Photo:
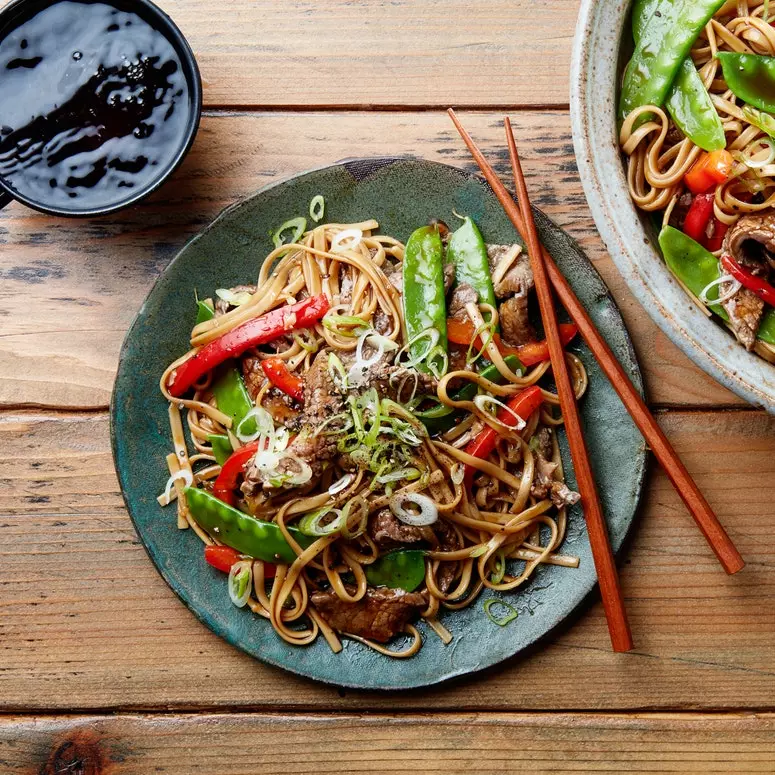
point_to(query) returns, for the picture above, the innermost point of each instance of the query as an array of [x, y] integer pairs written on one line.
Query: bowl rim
[[594, 72], [163, 23]]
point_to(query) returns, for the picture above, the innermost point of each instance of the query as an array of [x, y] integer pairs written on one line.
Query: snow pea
[[233, 398], [664, 43], [468, 252], [642, 11], [246, 534], [696, 268], [425, 309], [402, 569], [751, 77], [221, 447], [204, 311]]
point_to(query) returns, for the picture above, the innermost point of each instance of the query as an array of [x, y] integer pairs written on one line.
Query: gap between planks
[[218, 109]]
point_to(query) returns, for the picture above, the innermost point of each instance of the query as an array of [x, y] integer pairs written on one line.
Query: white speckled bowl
[[630, 239]]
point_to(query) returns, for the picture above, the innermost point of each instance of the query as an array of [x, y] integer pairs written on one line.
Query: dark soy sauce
[[94, 106]]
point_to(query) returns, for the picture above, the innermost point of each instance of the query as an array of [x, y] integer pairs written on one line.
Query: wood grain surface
[[380, 54], [69, 288], [91, 637], [87, 623], [491, 744]]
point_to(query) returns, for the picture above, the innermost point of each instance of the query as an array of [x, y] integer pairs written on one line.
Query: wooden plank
[[438, 52], [243, 744], [71, 287], [86, 623]]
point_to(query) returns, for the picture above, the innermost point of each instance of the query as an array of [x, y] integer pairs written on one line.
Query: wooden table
[[103, 670]]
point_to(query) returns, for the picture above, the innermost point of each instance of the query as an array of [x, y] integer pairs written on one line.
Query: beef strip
[[514, 320], [544, 484], [394, 276], [379, 615], [745, 310], [449, 277], [222, 306], [447, 542], [519, 277], [388, 377], [387, 532], [321, 401], [462, 295], [253, 375], [751, 242]]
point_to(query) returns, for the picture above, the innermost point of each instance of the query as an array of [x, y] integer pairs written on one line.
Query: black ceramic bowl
[[20, 12]]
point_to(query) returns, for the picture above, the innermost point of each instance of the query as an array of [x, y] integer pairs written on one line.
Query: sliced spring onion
[[346, 420], [359, 369], [264, 425], [297, 224], [431, 334], [409, 474], [355, 512], [317, 208], [183, 475], [483, 400], [322, 522], [503, 620], [736, 285], [479, 551], [747, 156], [437, 361], [424, 513], [235, 299], [759, 119], [341, 484], [375, 340], [240, 582], [303, 475], [347, 239], [457, 473], [345, 325], [500, 567], [306, 341], [336, 371]]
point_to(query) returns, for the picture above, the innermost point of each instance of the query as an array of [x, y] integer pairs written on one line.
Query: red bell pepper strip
[[283, 378], [223, 557], [462, 332], [522, 404], [716, 238], [260, 330], [708, 171], [226, 481], [754, 284], [698, 216]]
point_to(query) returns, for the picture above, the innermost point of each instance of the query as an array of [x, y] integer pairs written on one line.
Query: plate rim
[[597, 40], [222, 631]]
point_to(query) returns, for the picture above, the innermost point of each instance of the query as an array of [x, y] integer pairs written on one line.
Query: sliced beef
[[447, 542], [253, 374], [380, 615], [388, 532], [222, 306], [395, 277], [462, 295], [388, 377], [745, 310], [321, 397], [751, 242], [544, 484], [381, 322], [449, 277], [515, 322], [518, 278]]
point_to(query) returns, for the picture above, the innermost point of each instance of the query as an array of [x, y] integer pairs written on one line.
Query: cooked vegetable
[[226, 482], [246, 534], [710, 170], [403, 569], [278, 373], [260, 330], [221, 447], [523, 405], [414, 509], [317, 208], [240, 582], [698, 216], [468, 252], [232, 398], [754, 284], [751, 77], [222, 557], [510, 615], [295, 225], [204, 310], [425, 309], [663, 45]]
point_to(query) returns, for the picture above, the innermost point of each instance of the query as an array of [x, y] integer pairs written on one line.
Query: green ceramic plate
[[401, 194]]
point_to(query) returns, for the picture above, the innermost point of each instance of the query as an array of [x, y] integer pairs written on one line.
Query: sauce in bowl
[[95, 107]]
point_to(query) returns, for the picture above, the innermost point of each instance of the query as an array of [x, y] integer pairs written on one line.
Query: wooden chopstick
[[607, 575], [703, 515]]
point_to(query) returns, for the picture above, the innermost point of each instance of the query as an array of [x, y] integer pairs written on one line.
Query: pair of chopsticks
[[544, 272]]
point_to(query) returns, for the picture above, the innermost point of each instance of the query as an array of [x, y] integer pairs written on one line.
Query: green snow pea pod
[[204, 311], [402, 569], [246, 534], [233, 398], [468, 252], [425, 308], [696, 268], [221, 447], [751, 77], [664, 43]]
